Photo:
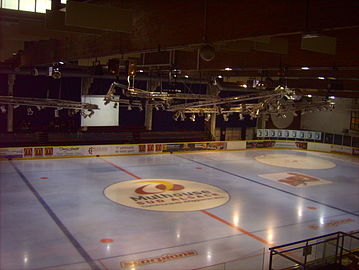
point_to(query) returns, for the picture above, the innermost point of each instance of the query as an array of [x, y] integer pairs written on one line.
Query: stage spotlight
[[193, 117], [129, 107], [241, 117]]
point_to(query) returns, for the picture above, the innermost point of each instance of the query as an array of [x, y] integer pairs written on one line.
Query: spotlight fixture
[[186, 76], [57, 114], [308, 96], [129, 107], [29, 111], [193, 117], [140, 108], [157, 108], [91, 113], [84, 115], [207, 117], [331, 97], [321, 78], [228, 69], [176, 116], [295, 114], [183, 116], [305, 68], [3, 109], [241, 116], [219, 76]]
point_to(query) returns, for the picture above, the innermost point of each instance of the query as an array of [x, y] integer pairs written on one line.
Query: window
[[42, 5], [28, 5], [10, 4], [354, 123]]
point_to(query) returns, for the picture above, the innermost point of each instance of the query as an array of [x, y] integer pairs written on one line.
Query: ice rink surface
[[55, 215]]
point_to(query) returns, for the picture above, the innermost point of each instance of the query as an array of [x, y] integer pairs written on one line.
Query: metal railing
[[336, 248]]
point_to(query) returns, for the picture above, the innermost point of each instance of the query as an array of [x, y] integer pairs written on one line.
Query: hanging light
[[3, 109], [176, 116], [207, 117], [193, 117], [129, 107], [29, 111], [183, 117], [91, 113], [140, 108]]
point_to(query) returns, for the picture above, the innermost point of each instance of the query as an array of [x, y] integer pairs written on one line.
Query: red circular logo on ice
[[156, 187]]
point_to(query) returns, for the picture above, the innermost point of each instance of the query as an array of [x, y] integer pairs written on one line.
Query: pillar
[[151, 86], [85, 86], [148, 116], [10, 108], [211, 126]]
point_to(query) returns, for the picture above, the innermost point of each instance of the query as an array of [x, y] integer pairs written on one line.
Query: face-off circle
[[166, 195], [295, 161]]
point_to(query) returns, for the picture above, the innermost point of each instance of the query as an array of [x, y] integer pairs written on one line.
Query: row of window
[[28, 5]]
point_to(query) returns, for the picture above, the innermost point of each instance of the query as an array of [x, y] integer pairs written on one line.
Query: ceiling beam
[[163, 25]]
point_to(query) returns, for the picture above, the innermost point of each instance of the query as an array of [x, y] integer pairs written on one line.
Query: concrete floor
[[55, 215]]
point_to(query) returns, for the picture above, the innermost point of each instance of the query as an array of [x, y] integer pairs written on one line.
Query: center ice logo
[[161, 187], [166, 195]]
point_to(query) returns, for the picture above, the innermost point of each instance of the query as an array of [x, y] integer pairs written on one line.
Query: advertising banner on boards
[[11, 152], [259, 144], [290, 145], [194, 146]]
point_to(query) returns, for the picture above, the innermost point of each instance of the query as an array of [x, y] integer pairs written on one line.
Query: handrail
[[305, 240], [340, 249]]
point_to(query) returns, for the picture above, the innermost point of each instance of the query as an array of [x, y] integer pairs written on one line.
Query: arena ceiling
[[311, 45]]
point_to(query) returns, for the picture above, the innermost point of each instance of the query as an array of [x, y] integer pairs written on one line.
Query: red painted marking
[[121, 169], [106, 240], [199, 168], [44, 178], [236, 227], [311, 207], [203, 211]]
